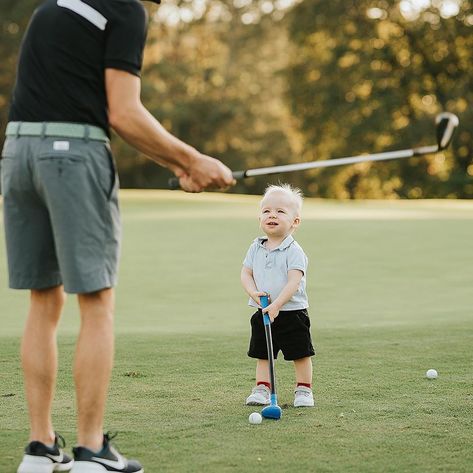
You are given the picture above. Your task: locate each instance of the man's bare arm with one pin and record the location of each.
(132, 121)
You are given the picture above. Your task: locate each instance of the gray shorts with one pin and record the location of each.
(61, 215)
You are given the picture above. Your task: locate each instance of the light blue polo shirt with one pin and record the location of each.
(270, 269)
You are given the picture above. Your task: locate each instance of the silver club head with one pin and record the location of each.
(446, 124)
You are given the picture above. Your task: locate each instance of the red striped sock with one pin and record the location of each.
(307, 385)
(268, 385)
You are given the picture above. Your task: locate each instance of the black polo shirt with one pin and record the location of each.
(64, 54)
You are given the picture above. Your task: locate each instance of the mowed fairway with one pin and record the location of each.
(391, 289)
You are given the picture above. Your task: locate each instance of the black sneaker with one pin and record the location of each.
(40, 458)
(108, 459)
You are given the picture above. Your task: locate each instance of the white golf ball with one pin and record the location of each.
(255, 418)
(431, 374)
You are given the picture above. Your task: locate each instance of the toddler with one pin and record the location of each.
(276, 265)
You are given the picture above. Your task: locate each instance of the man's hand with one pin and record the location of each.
(255, 295)
(206, 173)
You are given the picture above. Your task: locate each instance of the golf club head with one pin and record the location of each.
(272, 412)
(446, 124)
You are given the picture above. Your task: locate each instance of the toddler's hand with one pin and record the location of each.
(272, 310)
(256, 295)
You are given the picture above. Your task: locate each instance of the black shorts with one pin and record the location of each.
(290, 332)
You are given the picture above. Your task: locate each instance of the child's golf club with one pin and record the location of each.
(273, 411)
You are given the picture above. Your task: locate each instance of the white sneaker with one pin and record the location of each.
(303, 397)
(260, 396)
(39, 458)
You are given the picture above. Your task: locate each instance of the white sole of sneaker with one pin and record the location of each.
(303, 404)
(64, 467)
(34, 464)
(91, 467)
(255, 403)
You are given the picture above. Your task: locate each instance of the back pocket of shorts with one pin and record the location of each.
(66, 170)
(61, 160)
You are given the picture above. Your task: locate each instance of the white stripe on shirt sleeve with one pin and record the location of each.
(85, 11)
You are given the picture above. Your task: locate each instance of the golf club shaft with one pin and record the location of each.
(400, 154)
(269, 346)
(269, 343)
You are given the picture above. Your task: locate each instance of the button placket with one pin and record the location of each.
(269, 260)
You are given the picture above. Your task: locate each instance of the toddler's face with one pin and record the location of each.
(278, 216)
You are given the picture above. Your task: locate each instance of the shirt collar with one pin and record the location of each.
(283, 245)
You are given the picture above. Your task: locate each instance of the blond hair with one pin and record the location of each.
(294, 193)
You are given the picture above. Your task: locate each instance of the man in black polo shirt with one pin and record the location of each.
(78, 74)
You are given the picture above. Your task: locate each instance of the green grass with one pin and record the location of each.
(390, 286)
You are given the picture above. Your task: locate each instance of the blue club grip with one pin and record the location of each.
(264, 301)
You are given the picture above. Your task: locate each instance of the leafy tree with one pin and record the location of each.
(368, 77)
(241, 81)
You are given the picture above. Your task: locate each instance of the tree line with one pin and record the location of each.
(261, 83)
